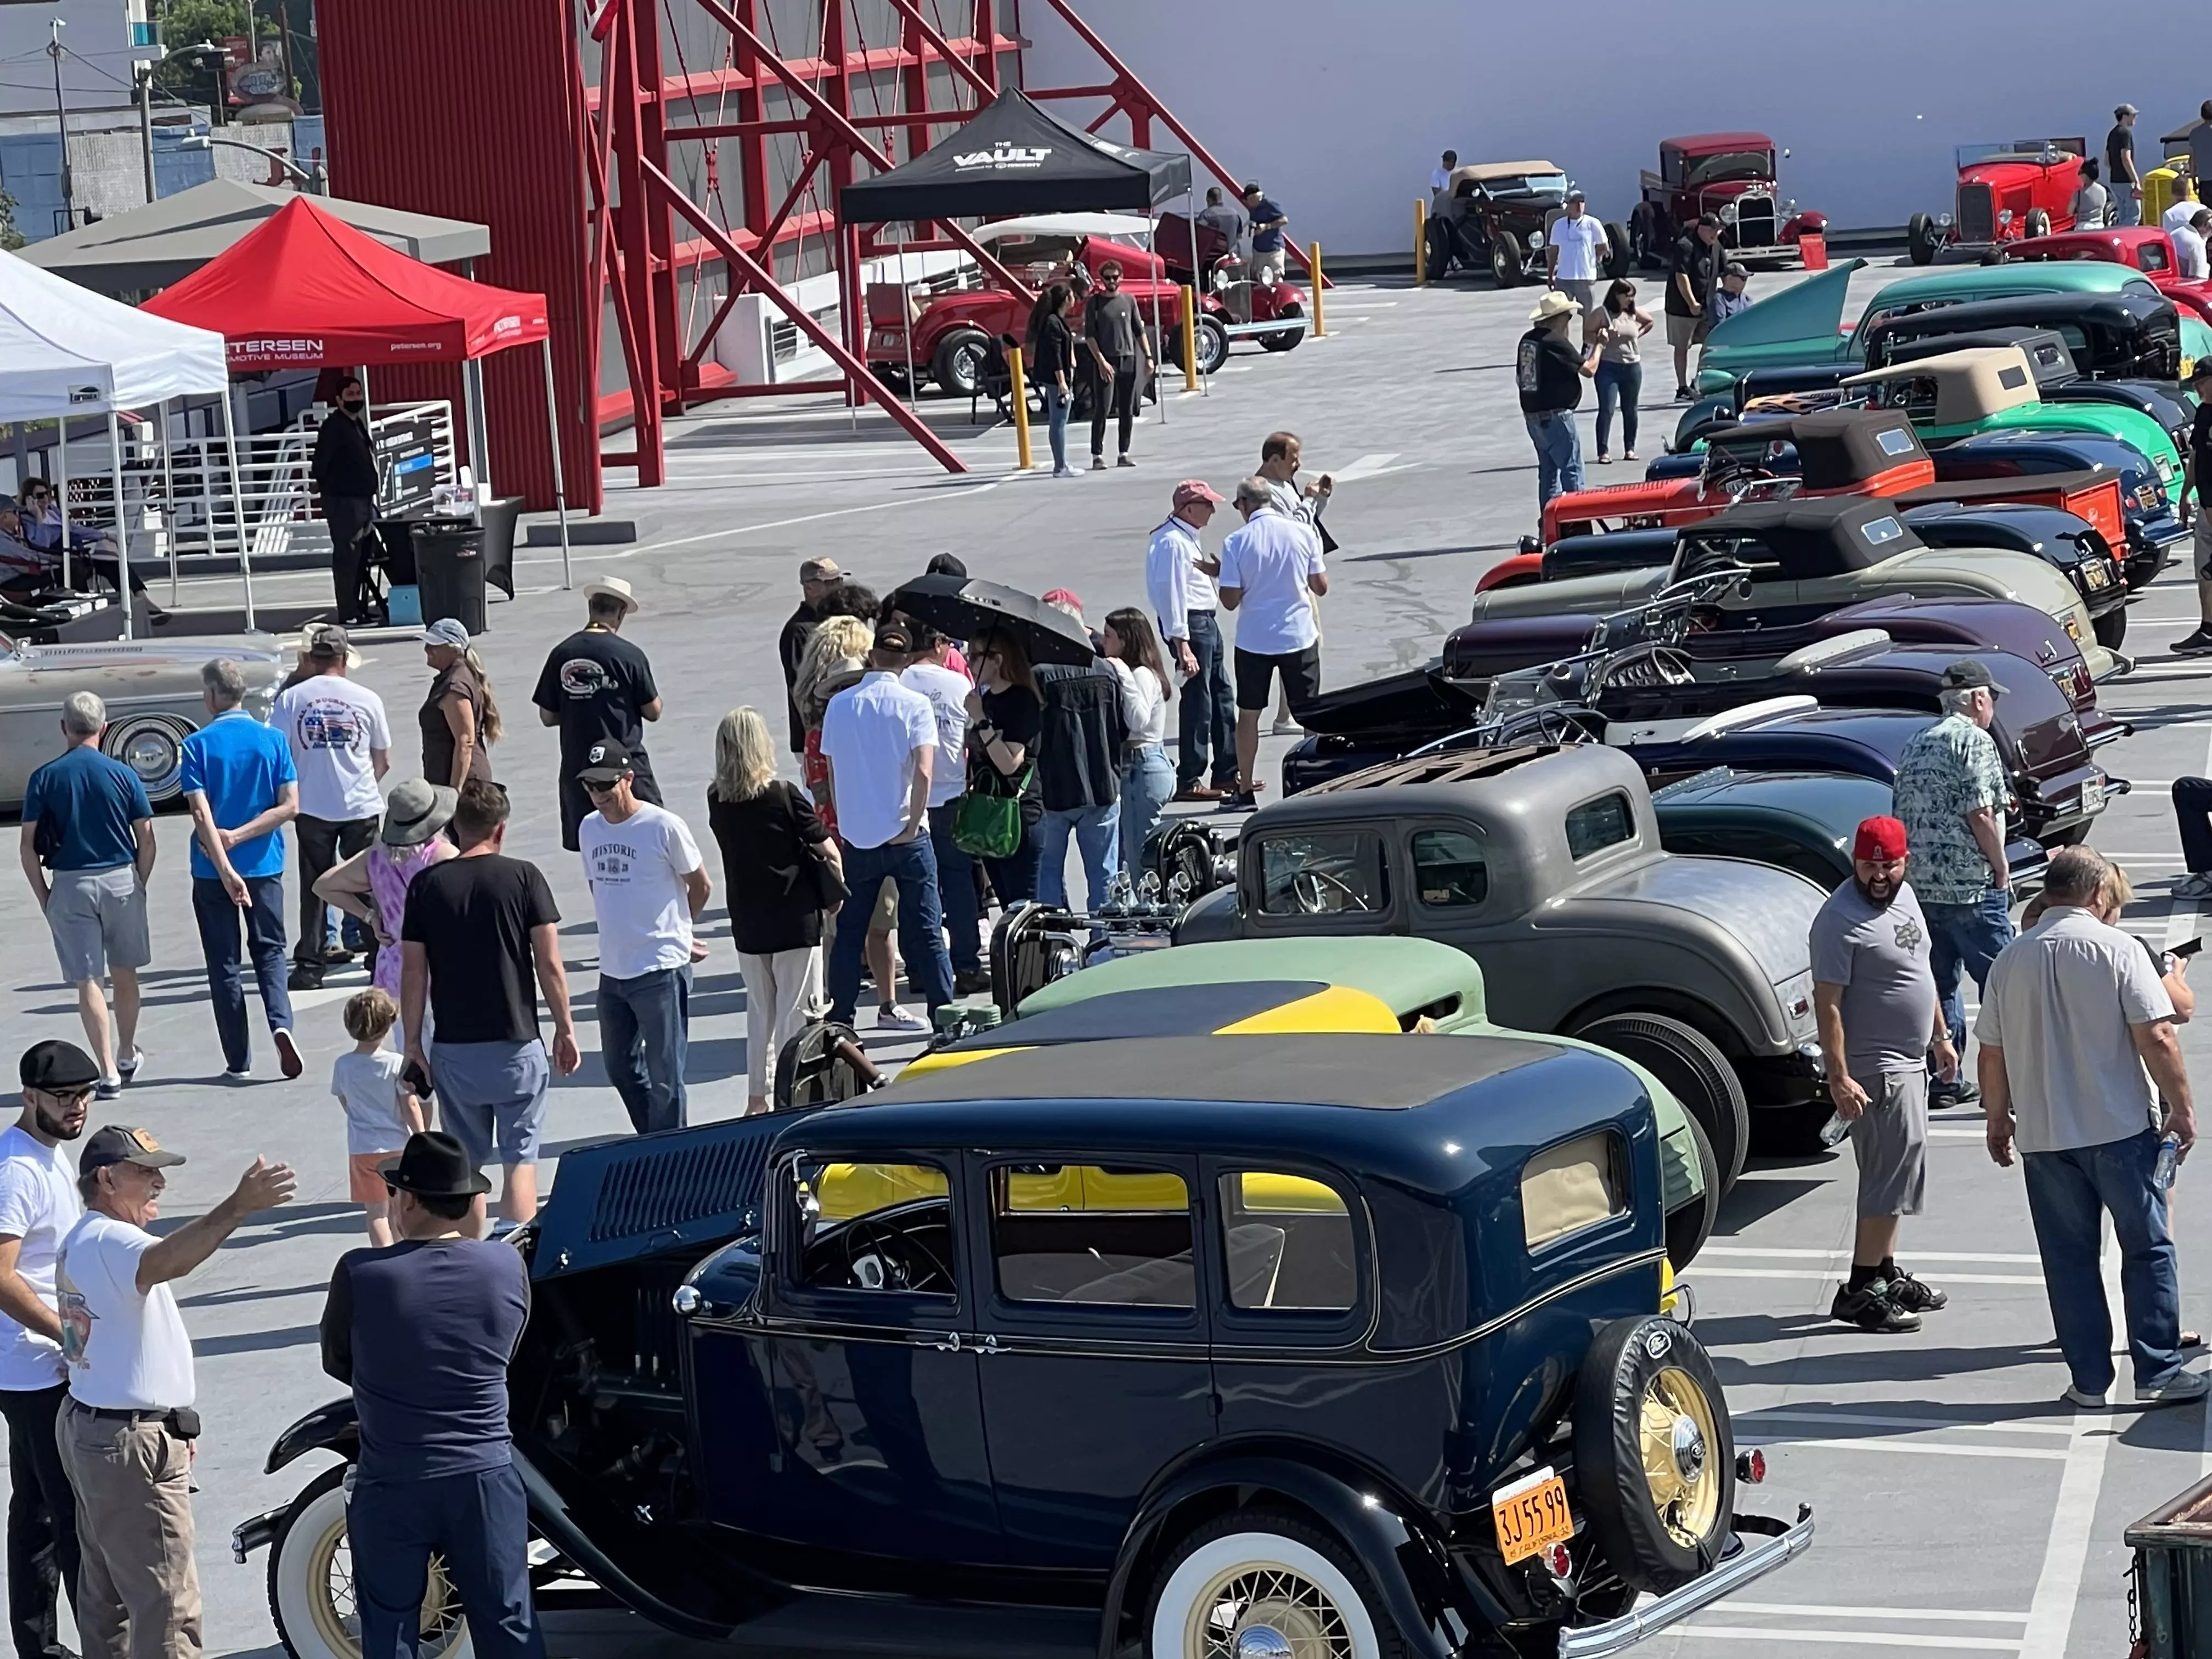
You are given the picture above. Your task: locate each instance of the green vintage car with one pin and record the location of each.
(1957, 394)
(1802, 324)
(1258, 988)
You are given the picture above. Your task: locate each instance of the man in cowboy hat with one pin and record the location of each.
(596, 685)
(1550, 374)
(423, 1331)
(341, 748)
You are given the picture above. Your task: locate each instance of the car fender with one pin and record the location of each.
(1397, 1546)
(335, 1427)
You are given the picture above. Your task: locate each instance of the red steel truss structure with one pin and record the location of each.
(694, 149)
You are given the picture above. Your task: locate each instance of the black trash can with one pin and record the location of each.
(449, 572)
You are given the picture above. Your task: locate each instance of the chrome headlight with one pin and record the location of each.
(1944, 220)
(1728, 213)
(2004, 218)
(1535, 240)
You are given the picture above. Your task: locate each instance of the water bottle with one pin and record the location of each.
(2169, 1159)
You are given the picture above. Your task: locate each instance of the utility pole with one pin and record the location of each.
(143, 75)
(57, 52)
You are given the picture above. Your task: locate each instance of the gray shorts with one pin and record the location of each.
(1681, 330)
(98, 918)
(1891, 1139)
(491, 1097)
(2202, 542)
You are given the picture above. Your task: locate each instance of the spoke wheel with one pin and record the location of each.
(1678, 1438)
(312, 1595)
(1257, 1584)
(1244, 1601)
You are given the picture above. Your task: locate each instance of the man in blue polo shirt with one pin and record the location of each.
(242, 790)
(1267, 221)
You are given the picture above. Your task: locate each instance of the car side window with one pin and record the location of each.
(1322, 873)
(1597, 824)
(1576, 1184)
(1287, 1242)
(1757, 846)
(1448, 872)
(2153, 256)
(1092, 1234)
(876, 1227)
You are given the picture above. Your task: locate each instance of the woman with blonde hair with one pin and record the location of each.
(460, 718)
(780, 864)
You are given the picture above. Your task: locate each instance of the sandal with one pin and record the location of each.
(2191, 1340)
(1604, 460)
(1630, 455)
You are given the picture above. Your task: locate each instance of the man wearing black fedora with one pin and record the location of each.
(423, 1331)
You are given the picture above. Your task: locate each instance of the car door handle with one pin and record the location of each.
(989, 1344)
(950, 1344)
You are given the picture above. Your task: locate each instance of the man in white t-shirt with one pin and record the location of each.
(947, 689)
(37, 1206)
(1271, 574)
(648, 886)
(2190, 261)
(127, 1428)
(1575, 252)
(880, 740)
(341, 747)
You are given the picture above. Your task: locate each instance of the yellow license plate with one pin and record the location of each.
(2074, 630)
(1530, 1514)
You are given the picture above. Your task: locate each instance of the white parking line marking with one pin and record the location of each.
(2059, 1586)
(1367, 467)
(1829, 1272)
(1845, 1255)
(1859, 1637)
(1933, 1615)
(1874, 1420)
(779, 523)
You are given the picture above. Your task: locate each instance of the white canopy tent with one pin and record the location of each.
(66, 352)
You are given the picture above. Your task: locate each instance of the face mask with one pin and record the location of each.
(351, 406)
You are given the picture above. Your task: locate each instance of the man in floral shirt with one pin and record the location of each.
(1951, 792)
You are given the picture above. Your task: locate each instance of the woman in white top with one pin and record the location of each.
(1133, 651)
(1617, 326)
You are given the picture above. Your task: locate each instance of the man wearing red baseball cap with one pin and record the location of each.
(1882, 1023)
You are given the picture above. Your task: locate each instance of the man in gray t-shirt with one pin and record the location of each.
(1880, 1022)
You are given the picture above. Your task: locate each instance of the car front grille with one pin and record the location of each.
(1978, 220)
(1754, 221)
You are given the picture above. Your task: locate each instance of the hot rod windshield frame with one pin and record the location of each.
(1729, 165)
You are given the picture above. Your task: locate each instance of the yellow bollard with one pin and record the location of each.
(1189, 338)
(1313, 261)
(1420, 244)
(1018, 390)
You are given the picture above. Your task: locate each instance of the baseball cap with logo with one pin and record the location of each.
(604, 761)
(112, 1144)
(327, 641)
(1879, 840)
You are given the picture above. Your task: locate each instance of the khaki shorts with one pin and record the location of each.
(98, 918)
(2201, 540)
(1681, 330)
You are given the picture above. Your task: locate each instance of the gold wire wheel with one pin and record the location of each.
(1248, 1599)
(1681, 1448)
(337, 1609)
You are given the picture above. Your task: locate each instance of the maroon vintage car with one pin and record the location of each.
(1730, 174)
(2006, 193)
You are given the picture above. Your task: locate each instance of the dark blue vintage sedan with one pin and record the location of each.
(1335, 1347)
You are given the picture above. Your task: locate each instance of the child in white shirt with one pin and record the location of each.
(381, 1110)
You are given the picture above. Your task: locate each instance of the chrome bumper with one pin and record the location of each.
(1253, 330)
(1782, 1545)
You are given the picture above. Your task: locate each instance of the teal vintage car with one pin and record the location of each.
(1802, 324)
(1960, 394)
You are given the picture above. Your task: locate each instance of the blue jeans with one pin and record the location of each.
(1147, 781)
(1559, 455)
(2065, 1193)
(645, 1027)
(911, 866)
(1207, 724)
(1014, 878)
(2127, 209)
(1056, 416)
(956, 891)
(218, 920)
(1621, 385)
(1968, 937)
(480, 1523)
(1095, 829)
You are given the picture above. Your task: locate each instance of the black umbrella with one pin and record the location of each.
(964, 607)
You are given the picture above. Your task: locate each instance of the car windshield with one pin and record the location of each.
(1734, 164)
(1528, 183)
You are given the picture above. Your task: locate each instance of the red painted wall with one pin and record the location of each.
(469, 108)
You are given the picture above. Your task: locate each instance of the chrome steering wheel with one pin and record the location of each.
(1310, 888)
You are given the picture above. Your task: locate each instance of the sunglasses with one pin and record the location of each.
(592, 788)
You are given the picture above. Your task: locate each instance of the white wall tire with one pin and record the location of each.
(1250, 1570)
(310, 1585)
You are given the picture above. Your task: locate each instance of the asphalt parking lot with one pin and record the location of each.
(1958, 1506)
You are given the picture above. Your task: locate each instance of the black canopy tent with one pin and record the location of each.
(1013, 157)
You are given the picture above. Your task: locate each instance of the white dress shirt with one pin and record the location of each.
(1270, 561)
(1173, 580)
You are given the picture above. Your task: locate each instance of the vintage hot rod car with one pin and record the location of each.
(2145, 247)
(2154, 531)
(1494, 217)
(2005, 192)
(1728, 174)
(1366, 1365)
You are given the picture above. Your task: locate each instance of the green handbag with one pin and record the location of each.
(987, 821)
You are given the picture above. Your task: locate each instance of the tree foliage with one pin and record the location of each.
(188, 22)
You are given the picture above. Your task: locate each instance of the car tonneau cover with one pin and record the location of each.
(1817, 537)
(1969, 384)
(2047, 352)
(1836, 447)
(1483, 172)
(2037, 489)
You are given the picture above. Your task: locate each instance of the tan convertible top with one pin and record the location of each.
(1484, 172)
(1969, 384)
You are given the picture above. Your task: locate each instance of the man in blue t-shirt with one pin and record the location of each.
(1267, 221)
(422, 1332)
(241, 785)
(88, 850)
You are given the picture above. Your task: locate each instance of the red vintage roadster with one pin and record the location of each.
(2006, 193)
(2145, 247)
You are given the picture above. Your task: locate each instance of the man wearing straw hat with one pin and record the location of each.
(1550, 375)
(597, 686)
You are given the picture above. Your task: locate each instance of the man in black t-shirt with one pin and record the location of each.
(817, 580)
(1120, 355)
(2196, 489)
(479, 941)
(1689, 285)
(2123, 179)
(596, 685)
(1550, 376)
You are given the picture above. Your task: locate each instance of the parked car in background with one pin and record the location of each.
(152, 690)
(2154, 530)
(2146, 248)
(2005, 192)
(1495, 217)
(1170, 1348)
(2064, 540)
(1731, 176)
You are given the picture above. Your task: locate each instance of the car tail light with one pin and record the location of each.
(1751, 1467)
(1557, 1562)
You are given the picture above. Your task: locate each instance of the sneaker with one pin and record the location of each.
(1915, 1295)
(108, 1087)
(1604, 459)
(1199, 792)
(1064, 473)
(1244, 801)
(2084, 1399)
(1287, 727)
(1097, 462)
(238, 1073)
(1630, 455)
(336, 954)
(127, 1066)
(2177, 1390)
(304, 976)
(1123, 460)
(2196, 645)
(975, 982)
(1684, 395)
(1942, 1096)
(2198, 885)
(287, 1052)
(1871, 1309)
(891, 1017)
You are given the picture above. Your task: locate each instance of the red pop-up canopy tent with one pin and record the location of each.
(306, 288)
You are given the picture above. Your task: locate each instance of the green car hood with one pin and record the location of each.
(1802, 324)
